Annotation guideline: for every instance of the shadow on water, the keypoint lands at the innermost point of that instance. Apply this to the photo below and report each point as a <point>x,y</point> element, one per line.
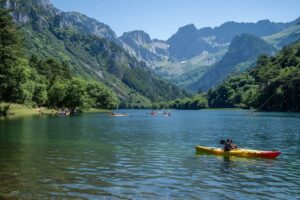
<point>229,163</point>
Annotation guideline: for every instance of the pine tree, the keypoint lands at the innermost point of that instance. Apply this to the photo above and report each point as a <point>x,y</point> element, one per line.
<point>10,54</point>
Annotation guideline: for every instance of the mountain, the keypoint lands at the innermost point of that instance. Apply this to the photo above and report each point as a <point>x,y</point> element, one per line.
<point>85,25</point>
<point>144,48</point>
<point>190,41</point>
<point>227,31</point>
<point>278,40</point>
<point>189,57</point>
<point>42,14</point>
<point>285,37</point>
<point>190,49</point>
<point>90,48</point>
<point>241,54</point>
<point>183,73</point>
<point>272,85</point>
<point>186,43</point>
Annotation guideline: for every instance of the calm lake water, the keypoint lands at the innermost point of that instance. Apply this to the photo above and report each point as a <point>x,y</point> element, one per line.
<point>94,156</point>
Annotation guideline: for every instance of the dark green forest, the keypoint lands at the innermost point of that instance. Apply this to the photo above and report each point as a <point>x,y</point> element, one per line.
<point>196,102</point>
<point>55,67</point>
<point>109,57</point>
<point>274,84</point>
<point>43,82</point>
<point>83,54</point>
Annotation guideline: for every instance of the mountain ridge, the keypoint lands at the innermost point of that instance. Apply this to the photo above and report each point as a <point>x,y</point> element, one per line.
<point>177,47</point>
<point>143,47</point>
<point>189,42</point>
<point>89,52</point>
<point>241,54</point>
<point>158,55</point>
<point>44,13</point>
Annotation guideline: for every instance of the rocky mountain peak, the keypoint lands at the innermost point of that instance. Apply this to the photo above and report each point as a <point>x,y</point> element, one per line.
<point>189,30</point>
<point>42,13</point>
<point>139,44</point>
<point>139,36</point>
<point>86,25</point>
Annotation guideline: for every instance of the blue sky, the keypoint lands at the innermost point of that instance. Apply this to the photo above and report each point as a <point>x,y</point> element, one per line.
<point>162,18</point>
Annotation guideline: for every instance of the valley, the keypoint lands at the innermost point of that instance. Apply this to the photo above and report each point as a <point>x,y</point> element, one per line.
<point>142,71</point>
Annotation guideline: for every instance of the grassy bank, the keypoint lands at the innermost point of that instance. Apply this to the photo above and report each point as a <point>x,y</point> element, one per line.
<point>20,110</point>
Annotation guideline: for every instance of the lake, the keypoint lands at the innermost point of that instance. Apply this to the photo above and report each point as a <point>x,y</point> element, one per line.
<point>94,156</point>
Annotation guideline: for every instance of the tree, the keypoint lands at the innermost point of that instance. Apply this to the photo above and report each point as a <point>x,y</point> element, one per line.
<point>21,84</point>
<point>274,84</point>
<point>52,69</point>
<point>102,96</point>
<point>57,94</point>
<point>10,54</point>
<point>77,96</point>
<point>40,96</point>
<point>43,82</point>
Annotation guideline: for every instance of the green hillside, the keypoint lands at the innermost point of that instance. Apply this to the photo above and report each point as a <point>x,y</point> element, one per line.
<point>102,60</point>
<point>241,54</point>
<point>274,84</point>
<point>50,33</point>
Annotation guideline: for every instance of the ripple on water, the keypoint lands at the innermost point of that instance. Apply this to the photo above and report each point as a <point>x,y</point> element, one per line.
<point>141,157</point>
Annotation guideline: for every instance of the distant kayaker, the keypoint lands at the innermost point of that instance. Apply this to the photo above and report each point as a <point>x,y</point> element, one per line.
<point>228,144</point>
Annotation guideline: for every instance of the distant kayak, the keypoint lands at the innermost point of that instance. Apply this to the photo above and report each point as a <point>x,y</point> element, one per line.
<point>118,115</point>
<point>63,113</point>
<point>153,113</point>
<point>238,152</point>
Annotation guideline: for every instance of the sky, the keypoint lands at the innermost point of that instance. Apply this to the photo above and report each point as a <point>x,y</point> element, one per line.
<point>162,18</point>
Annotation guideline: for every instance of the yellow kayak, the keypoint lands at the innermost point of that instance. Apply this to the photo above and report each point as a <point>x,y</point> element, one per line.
<point>238,152</point>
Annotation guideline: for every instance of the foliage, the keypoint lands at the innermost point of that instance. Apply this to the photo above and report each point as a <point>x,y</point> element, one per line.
<point>196,102</point>
<point>57,93</point>
<point>100,55</point>
<point>274,84</point>
<point>10,46</point>
<point>82,94</point>
<point>86,48</point>
<point>101,96</point>
<point>76,95</point>
<point>50,68</point>
<point>45,82</point>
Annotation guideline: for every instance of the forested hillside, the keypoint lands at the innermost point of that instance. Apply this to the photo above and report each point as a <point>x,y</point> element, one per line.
<point>92,53</point>
<point>41,82</point>
<point>274,84</point>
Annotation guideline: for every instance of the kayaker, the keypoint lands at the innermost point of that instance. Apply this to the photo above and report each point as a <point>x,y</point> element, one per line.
<point>233,146</point>
<point>228,145</point>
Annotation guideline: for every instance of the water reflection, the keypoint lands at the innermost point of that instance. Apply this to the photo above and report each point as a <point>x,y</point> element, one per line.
<point>142,157</point>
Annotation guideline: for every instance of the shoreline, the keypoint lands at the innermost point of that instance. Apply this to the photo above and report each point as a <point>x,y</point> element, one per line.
<point>20,110</point>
